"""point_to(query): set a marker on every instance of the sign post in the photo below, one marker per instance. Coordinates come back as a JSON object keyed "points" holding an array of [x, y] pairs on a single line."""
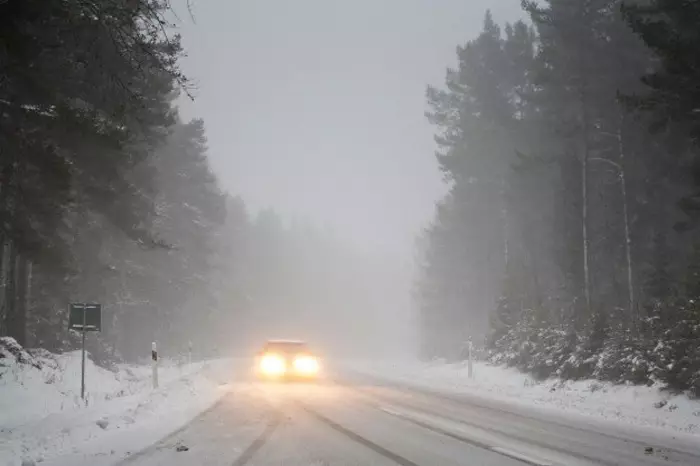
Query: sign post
{"points": [[84, 317], [82, 364]]}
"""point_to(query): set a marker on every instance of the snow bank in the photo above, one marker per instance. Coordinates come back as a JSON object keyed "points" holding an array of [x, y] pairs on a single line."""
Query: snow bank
{"points": [[42, 417], [632, 405]]}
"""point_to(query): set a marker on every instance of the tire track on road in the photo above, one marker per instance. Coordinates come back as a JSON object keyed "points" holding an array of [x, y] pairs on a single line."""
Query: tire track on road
{"points": [[133, 457], [479, 444], [398, 459], [379, 400], [259, 442], [485, 406]]}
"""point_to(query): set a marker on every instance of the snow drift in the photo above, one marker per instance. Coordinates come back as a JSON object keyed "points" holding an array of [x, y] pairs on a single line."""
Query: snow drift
{"points": [[42, 417], [631, 405]]}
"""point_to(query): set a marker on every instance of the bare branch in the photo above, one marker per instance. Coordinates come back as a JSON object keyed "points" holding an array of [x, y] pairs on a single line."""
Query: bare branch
{"points": [[608, 161]]}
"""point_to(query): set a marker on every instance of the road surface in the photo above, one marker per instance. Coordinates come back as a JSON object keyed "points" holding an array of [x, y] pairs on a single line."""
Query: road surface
{"points": [[354, 420]]}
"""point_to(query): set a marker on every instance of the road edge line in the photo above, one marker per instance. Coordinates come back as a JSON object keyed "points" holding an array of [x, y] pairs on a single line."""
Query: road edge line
{"points": [[462, 438]]}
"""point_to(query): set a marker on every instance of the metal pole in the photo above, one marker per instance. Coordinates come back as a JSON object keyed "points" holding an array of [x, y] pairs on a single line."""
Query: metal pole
{"points": [[82, 366]]}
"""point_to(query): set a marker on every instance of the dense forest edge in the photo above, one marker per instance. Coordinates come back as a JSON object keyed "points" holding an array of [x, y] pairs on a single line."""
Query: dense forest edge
{"points": [[569, 142], [569, 234], [107, 194]]}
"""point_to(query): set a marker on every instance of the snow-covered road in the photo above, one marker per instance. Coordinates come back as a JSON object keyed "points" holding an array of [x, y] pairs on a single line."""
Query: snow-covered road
{"points": [[214, 413], [633, 407], [355, 420]]}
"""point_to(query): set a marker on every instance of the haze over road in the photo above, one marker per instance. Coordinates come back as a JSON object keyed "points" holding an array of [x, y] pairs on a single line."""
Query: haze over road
{"points": [[316, 107], [352, 420]]}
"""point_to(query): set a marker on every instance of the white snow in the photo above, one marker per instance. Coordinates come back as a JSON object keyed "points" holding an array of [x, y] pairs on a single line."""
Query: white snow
{"points": [[43, 419], [645, 407]]}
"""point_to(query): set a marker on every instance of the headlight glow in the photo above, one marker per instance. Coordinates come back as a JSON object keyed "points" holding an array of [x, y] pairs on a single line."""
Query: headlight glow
{"points": [[306, 365], [271, 364]]}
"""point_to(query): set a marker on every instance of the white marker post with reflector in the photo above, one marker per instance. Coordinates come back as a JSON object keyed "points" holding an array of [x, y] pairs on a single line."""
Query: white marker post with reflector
{"points": [[154, 364], [470, 366]]}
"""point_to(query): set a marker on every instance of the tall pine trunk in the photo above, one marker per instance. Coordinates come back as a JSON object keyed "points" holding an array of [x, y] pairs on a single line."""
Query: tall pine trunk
{"points": [[585, 154], [584, 226], [14, 321], [505, 225], [3, 286], [22, 284], [628, 235], [622, 177]]}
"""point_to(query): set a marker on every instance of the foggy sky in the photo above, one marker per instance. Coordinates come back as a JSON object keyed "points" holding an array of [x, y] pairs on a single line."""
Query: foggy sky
{"points": [[316, 107]]}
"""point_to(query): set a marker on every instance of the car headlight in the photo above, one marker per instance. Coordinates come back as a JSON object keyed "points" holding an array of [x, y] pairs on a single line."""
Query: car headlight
{"points": [[271, 364], [306, 365]]}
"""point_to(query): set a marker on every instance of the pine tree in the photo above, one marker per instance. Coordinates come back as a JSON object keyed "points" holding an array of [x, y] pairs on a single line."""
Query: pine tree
{"points": [[669, 28], [85, 94], [478, 118]]}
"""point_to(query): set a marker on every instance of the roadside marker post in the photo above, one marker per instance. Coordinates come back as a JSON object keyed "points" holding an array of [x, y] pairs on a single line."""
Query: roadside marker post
{"points": [[470, 367], [84, 317], [154, 364]]}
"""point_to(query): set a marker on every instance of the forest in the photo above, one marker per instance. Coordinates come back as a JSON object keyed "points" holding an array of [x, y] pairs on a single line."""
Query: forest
{"points": [[107, 195], [567, 244]]}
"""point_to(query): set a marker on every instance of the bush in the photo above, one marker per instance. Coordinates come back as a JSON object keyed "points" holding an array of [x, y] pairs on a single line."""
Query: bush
{"points": [[668, 355], [625, 361], [677, 352]]}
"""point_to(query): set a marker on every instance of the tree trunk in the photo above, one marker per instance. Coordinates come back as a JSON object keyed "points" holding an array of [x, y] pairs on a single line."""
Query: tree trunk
{"points": [[22, 283], [13, 322], [506, 226], [584, 216], [585, 153], [3, 286], [628, 236]]}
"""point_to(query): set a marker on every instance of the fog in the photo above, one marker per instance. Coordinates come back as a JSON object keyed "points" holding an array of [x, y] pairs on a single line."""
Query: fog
{"points": [[316, 109], [384, 179]]}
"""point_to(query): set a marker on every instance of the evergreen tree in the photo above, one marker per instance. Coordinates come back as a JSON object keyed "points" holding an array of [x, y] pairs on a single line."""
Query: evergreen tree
{"points": [[580, 191], [85, 92], [470, 246]]}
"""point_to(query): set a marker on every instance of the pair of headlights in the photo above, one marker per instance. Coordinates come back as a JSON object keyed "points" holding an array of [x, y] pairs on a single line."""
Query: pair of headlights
{"points": [[273, 364]]}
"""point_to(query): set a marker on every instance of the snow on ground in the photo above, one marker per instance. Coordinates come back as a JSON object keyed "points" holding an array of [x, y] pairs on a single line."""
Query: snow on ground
{"points": [[43, 419], [632, 405]]}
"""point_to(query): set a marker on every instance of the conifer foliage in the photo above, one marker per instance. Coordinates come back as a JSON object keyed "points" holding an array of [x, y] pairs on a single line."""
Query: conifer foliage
{"points": [[569, 143], [106, 195]]}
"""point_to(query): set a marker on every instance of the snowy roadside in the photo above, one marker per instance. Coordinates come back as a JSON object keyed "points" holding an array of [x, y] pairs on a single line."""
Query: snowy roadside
{"points": [[43, 420], [645, 407]]}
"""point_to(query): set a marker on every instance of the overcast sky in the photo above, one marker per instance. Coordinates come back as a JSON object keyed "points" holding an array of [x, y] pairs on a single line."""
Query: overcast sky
{"points": [[316, 107]]}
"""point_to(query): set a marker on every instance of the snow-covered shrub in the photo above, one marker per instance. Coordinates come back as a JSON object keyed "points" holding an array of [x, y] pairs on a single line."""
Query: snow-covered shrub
{"points": [[665, 351], [677, 351], [531, 346], [12, 352], [625, 360]]}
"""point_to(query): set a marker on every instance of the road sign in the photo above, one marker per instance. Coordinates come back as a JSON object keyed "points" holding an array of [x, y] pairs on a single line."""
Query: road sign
{"points": [[85, 317]]}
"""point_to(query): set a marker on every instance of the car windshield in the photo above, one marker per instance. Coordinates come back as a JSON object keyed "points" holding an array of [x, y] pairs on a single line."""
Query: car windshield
{"points": [[286, 347]]}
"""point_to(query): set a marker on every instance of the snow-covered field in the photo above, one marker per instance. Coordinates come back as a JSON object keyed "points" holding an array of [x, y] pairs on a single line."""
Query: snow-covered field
{"points": [[43, 420], [631, 405]]}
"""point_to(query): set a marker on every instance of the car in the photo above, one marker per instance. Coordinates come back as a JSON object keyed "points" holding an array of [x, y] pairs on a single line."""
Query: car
{"points": [[287, 359]]}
